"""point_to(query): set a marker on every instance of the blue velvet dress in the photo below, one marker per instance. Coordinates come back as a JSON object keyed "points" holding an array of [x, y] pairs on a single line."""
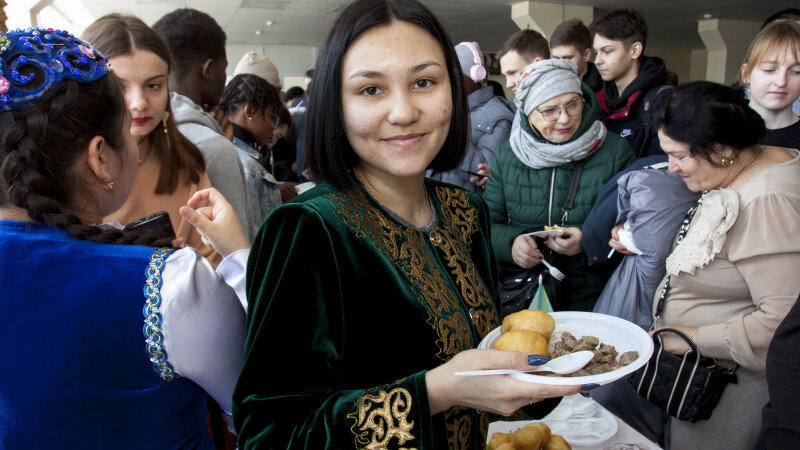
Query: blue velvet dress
{"points": [[78, 369]]}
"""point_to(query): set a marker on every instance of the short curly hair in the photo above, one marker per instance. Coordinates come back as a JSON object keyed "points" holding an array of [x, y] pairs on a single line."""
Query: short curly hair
{"points": [[192, 36]]}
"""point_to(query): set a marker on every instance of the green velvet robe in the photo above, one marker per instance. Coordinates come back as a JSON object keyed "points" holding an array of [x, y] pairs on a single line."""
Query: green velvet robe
{"points": [[348, 308]]}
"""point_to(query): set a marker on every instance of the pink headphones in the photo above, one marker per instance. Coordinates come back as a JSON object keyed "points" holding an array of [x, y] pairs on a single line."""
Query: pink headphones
{"points": [[477, 72]]}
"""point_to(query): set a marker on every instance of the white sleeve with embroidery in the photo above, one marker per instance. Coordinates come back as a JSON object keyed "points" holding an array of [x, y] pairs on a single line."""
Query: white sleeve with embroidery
{"points": [[203, 320]]}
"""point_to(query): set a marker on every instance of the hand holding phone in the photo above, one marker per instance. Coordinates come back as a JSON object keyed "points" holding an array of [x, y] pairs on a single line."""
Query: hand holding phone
{"points": [[158, 224]]}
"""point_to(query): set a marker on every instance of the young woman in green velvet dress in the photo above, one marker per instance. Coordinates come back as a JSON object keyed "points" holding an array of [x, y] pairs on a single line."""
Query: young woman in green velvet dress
{"points": [[367, 293]]}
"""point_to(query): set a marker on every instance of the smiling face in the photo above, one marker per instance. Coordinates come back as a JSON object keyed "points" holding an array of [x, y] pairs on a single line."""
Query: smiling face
{"points": [[564, 127], [774, 83], [698, 174], [396, 100], [144, 77]]}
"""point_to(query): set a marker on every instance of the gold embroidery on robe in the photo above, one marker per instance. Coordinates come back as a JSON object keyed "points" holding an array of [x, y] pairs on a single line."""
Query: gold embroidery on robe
{"points": [[381, 418], [459, 221], [405, 247], [459, 427]]}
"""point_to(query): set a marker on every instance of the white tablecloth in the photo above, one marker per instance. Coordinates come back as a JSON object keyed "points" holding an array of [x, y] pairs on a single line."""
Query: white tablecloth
{"points": [[626, 438]]}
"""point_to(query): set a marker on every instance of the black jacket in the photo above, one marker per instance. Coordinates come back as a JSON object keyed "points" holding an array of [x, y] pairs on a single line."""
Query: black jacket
{"points": [[592, 78], [779, 418], [622, 113]]}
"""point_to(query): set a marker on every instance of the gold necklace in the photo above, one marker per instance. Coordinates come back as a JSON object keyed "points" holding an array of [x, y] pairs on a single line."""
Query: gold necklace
{"points": [[743, 170], [357, 172]]}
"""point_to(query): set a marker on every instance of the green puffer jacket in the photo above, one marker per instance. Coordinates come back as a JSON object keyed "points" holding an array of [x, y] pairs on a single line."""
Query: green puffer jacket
{"points": [[522, 199]]}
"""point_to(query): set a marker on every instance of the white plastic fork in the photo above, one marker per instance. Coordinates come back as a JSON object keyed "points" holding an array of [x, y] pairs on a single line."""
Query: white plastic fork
{"points": [[557, 274]]}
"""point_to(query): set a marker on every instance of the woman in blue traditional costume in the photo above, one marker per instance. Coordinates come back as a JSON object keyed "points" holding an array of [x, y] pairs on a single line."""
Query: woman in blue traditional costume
{"points": [[116, 339], [372, 289]]}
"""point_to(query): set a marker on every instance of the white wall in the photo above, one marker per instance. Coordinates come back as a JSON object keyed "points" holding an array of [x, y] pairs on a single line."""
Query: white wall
{"points": [[678, 61], [292, 61]]}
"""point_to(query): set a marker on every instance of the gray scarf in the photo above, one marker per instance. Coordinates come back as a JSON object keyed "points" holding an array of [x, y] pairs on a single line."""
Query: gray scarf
{"points": [[540, 153]]}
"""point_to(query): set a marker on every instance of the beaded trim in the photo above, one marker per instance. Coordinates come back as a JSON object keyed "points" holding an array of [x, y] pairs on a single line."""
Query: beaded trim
{"points": [[154, 339]]}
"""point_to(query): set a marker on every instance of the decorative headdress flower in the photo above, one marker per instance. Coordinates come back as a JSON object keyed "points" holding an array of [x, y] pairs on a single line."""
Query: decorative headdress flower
{"points": [[34, 60]]}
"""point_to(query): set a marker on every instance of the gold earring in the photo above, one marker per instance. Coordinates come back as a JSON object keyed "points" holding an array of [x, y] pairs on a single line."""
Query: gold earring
{"points": [[726, 162], [109, 186], [164, 122]]}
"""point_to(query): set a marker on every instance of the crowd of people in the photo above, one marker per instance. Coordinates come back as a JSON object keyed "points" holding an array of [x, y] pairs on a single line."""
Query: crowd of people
{"points": [[169, 287]]}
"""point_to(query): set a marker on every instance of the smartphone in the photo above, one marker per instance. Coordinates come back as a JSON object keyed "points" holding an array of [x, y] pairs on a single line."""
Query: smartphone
{"points": [[474, 174], [157, 224]]}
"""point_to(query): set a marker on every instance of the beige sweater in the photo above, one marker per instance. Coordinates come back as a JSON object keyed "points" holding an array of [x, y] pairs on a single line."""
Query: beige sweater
{"points": [[739, 299]]}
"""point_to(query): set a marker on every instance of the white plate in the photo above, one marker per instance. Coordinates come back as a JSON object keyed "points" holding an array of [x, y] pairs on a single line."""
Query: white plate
{"points": [[544, 233], [623, 335], [556, 419]]}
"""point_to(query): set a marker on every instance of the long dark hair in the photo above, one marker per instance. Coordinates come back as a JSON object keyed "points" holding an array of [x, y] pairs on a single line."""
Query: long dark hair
{"points": [[119, 34], [41, 142], [330, 155], [705, 115]]}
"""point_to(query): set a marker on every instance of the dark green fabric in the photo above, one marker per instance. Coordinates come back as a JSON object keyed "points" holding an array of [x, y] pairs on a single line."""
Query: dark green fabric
{"points": [[348, 309], [518, 199]]}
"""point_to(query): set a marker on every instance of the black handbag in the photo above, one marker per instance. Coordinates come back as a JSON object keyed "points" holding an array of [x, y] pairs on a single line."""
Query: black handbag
{"points": [[687, 387], [518, 286]]}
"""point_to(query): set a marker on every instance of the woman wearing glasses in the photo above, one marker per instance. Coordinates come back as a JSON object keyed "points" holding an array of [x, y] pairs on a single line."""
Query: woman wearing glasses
{"points": [[558, 145]]}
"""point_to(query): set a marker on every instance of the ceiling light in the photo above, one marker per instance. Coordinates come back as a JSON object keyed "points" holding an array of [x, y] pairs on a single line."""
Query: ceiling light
{"points": [[270, 23], [258, 32], [707, 16]]}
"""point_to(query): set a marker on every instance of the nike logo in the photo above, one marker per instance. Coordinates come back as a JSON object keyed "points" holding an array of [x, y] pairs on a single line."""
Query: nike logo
{"points": [[626, 132]]}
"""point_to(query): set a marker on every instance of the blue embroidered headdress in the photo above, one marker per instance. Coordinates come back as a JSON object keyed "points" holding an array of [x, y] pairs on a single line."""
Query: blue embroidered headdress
{"points": [[35, 59]]}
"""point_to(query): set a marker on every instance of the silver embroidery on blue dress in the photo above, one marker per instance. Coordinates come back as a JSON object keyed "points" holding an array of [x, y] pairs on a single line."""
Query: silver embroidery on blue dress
{"points": [[154, 338]]}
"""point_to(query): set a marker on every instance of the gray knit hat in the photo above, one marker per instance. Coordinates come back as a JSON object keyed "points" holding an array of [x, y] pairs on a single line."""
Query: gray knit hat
{"points": [[543, 80], [466, 59], [255, 63]]}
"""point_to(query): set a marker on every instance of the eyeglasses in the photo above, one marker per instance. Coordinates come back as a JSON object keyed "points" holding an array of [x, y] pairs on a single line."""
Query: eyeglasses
{"points": [[276, 120], [552, 113]]}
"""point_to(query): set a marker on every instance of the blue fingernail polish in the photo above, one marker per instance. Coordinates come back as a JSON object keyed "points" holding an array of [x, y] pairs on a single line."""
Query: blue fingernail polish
{"points": [[537, 360], [589, 387]]}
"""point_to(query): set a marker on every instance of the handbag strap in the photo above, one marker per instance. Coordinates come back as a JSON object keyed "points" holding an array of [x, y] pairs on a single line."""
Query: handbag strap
{"points": [[682, 335], [681, 234], [569, 202]]}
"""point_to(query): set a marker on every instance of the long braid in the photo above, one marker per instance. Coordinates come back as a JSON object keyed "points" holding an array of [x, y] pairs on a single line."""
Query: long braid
{"points": [[40, 144]]}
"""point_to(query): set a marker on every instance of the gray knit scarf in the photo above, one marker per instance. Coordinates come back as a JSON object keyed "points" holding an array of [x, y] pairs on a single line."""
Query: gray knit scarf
{"points": [[539, 153]]}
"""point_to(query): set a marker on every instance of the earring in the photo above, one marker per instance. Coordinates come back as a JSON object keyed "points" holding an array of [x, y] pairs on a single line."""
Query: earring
{"points": [[109, 186], [164, 123], [249, 117], [726, 162]]}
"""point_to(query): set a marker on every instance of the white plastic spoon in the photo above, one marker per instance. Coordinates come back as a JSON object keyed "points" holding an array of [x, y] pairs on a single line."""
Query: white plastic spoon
{"points": [[563, 364]]}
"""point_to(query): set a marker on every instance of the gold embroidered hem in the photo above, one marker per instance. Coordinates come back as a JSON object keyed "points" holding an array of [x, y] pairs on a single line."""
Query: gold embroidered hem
{"points": [[381, 418]]}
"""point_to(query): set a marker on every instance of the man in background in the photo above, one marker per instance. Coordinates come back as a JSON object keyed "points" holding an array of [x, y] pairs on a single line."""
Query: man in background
{"points": [[522, 48], [632, 82], [571, 40], [197, 80]]}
